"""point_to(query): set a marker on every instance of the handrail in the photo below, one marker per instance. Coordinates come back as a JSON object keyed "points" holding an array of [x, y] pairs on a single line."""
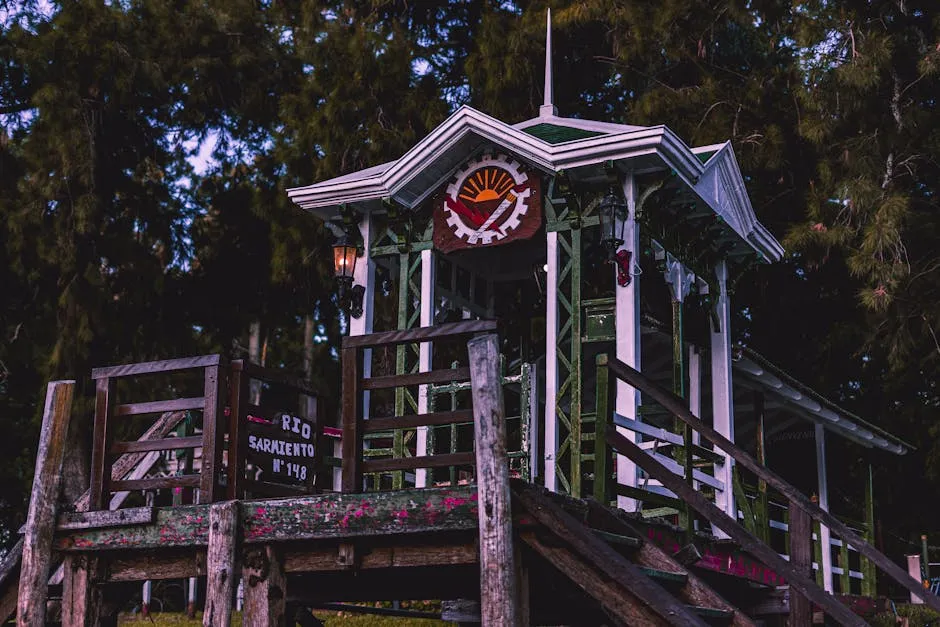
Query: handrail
{"points": [[676, 406], [421, 334]]}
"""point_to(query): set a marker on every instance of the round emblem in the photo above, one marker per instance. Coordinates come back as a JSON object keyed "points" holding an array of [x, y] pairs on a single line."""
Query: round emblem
{"points": [[487, 200]]}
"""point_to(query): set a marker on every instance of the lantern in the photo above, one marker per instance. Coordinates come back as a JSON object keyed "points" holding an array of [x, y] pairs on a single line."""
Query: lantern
{"points": [[344, 267], [612, 211]]}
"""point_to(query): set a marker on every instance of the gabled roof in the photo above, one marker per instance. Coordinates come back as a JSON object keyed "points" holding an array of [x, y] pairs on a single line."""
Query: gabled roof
{"points": [[548, 143], [800, 399]]}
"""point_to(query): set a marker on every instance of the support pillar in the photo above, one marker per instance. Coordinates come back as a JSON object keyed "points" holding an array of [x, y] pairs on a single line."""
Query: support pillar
{"points": [[265, 588], [627, 324], [722, 398], [425, 353], [364, 275], [551, 361], [823, 487]]}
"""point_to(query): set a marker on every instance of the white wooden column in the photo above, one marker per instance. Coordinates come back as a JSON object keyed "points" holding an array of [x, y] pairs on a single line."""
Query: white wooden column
{"points": [[824, 534], [722, 399], [425, 351], [551, 360], [364, 275], [627, 324]]}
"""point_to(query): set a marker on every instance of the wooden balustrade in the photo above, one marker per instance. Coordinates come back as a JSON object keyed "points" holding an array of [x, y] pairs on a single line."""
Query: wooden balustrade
{"points": [[354, 385], [221, 384], [802, 511], [105, 449]]}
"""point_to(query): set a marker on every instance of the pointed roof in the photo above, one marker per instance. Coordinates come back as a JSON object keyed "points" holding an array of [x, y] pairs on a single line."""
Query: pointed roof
{"points": [[548, 143]]}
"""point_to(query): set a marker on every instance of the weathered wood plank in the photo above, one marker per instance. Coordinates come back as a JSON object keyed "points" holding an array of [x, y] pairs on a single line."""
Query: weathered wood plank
{"points": [[159, 407], [220, 564], [265, 587], [352, 421], [156, 483], [425, 461], [676, 406], [696, 592], [446, 375], [618, 599], [604, 558], [801, 559], [397, 556], [156, 564], [746, 540], [81, 598], [499, 598], [321, 516], [100, 480], [109, 518], [43, 501], [212, 418], [373, 425], [152, 367], [422, 334], [163, 444]]}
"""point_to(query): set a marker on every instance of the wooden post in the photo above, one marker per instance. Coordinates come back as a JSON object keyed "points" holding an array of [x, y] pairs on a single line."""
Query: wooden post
{"points": [[352, 422], [265, 588], [220, 564], [41, 519], [801, 557], [81, 600], [870, 582], [499, 601], [602, 417], [100, 465], [211, 434]]}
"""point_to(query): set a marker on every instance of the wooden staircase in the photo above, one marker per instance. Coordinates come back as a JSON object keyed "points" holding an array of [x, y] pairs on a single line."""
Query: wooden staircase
{"points": [[633, 581]]}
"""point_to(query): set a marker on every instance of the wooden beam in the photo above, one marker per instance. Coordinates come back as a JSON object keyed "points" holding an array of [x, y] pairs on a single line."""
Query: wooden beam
{"points": [[675, 405], [326, 516], [220, 564], [746, 540], [110, 518], [499, 599], [81, 598], [421, 334], [352, 421], [265, 587], [801, 559], [151, 367], [159, 407], [445, 375], [43, 501]]}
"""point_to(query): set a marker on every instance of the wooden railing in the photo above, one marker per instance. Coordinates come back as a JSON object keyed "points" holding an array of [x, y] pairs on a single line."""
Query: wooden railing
{"points": [[216, 473], [105, 449], [355, 384], [802, 511]]}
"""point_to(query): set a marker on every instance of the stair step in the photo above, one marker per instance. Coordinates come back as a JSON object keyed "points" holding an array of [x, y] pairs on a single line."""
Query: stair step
{"points": [[664, 578], [713, 616], [617, 539]]}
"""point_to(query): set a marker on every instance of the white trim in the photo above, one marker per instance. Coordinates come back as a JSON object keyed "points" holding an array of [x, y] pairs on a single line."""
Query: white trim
{"points": [[627, 333], [425, 353], [551, 359], [718, 182], [722, 392], [823, 487]]}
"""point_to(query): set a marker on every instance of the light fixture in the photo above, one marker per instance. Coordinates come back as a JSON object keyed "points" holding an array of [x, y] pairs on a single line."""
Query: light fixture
{"points": [[612, 211], [345, 252]]}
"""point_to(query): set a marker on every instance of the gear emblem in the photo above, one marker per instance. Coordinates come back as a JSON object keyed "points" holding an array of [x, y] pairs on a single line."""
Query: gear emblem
{"points": [[487, 200]]}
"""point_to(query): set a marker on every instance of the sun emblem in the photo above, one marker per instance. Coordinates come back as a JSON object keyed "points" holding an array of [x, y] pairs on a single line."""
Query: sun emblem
{"points": [[487, 200]]}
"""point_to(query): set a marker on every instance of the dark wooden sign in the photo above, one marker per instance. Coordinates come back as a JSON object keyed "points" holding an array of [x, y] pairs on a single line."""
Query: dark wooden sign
{"points": [[281, 446]]}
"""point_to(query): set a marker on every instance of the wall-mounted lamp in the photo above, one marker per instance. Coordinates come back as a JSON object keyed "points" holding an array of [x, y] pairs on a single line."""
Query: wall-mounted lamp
{"points": [[345, 253], [612, 211]]}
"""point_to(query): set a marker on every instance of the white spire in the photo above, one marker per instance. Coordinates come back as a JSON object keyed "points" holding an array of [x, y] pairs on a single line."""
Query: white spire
{"points": [[548, 108]]}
